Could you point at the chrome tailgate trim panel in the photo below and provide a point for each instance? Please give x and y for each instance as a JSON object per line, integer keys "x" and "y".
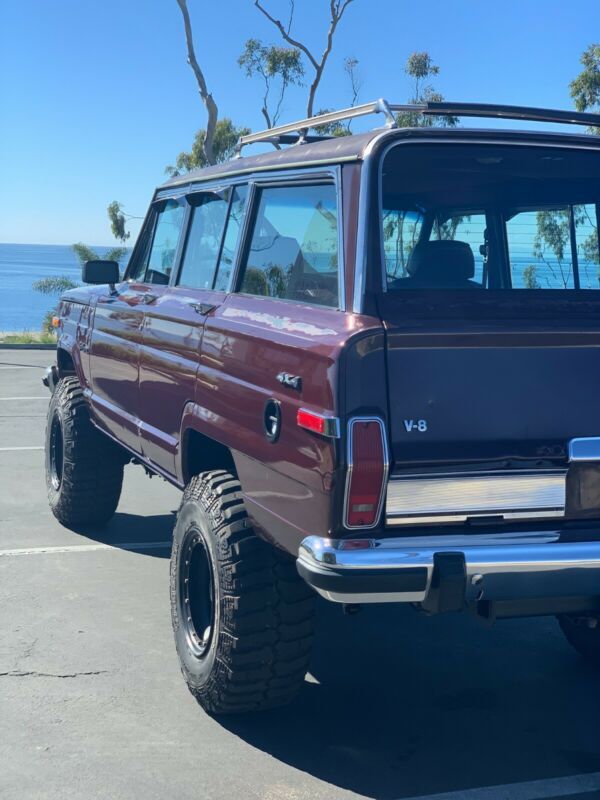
{"x": 427, "y": 499}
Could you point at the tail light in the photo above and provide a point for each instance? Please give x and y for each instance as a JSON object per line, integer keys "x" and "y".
{"x": 367, "y": 472}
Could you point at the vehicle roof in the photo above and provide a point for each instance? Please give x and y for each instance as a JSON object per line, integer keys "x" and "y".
{"x": 340, "y": 149}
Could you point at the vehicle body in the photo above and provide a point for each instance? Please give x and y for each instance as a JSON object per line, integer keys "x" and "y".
{"x": 391, "y": 342}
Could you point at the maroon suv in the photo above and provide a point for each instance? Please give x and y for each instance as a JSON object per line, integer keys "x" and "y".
{"x": 372, "y": 364}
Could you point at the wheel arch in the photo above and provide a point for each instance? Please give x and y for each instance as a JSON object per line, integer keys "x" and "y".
{"x": 65, "y": 362}
{"x": 201, "y": 453}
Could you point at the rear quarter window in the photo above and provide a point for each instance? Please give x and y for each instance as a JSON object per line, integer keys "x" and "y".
{"x": 293, "y": 249}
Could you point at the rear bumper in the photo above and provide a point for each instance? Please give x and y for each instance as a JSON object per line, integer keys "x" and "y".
{"x": 447, "y": 573}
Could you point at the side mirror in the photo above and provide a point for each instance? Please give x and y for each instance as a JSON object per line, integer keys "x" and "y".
{"x": 100, "y": 272}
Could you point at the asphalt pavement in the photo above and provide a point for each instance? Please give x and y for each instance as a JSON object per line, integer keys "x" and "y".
{"x": 92, "y": 703}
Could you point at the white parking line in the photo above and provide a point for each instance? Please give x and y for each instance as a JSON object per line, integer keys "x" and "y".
{"x": 8, "y": 449}
{"x": 529, "y": 790}
{"x": 85, "y": 548}
{"x": 45, "y": 397}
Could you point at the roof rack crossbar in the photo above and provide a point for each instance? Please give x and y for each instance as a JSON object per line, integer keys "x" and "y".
{"x": 381, "y": 106}
{"x": 377, "y": 107}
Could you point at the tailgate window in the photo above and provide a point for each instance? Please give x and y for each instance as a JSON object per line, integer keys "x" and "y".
{"x": 490, "y": 217}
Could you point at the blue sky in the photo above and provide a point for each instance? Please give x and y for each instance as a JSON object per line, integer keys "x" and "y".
{"x": 96, "y": 97}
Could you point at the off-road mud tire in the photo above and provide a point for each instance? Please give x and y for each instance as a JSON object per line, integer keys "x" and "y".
{"x": 254, "y": 653}
{"x": 84, "y": 488}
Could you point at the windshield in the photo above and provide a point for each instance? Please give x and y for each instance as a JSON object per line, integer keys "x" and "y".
{"x": 483, "y": 217}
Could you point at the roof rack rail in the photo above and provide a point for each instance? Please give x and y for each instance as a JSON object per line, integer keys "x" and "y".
{"x": 493, "y": 110}
{"x": 278, "y": 134}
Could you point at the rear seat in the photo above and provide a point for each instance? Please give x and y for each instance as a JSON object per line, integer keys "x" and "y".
{"x": 439, "y": 264}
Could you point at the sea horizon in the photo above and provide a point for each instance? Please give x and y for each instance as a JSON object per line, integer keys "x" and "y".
{"x": 21, "y": 264}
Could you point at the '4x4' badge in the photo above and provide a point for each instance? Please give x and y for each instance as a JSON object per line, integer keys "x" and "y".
{"x": 415, "y": 425}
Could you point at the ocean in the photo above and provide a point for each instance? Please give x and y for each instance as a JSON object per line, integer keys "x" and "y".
{"x": 22, "y": 308}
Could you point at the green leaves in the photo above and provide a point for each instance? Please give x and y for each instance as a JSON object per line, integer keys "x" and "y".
{"x": 272, "y": 61}
{"x": 117, "y": 221}
{"x": 225, "y": 140}
{"x": 585, "y": 89}
{"x": 54, "y": 285}
{"x": 84, "y": 253}
{"x": 276, "y": 65}
{"x": 420, "y": 66}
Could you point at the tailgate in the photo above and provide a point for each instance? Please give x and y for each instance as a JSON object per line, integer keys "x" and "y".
{"x": 480, "y": 420}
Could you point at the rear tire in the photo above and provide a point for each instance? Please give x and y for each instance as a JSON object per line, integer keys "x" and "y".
{"x": 84, "y": 469}
{"x": 242, "y": 616}
{"x": 584, "y": 638}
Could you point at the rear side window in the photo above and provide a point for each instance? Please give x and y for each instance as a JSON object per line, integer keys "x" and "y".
{"x": 204, "y": 241}
{"x": 164, "y": 243}
{"x": 401, "y": 231}
{"x": 554, "y": 248}
{"x": 293, "y": 252}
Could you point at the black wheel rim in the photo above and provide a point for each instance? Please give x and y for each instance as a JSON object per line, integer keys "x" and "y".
{"x": 197, "y": 594}
{"x": 56, "y": 453}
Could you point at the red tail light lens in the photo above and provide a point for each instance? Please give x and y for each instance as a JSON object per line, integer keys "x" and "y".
{"x": 317, "y": 423}
{"x": 367, "y": 472}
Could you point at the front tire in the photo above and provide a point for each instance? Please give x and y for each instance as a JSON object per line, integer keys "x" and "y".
{"x": 242, "y": 616}
{"x": 583, "y": 633}
{"x": 84, "y": 469}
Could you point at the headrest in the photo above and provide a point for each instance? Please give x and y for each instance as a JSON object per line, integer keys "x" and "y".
{"x": 442, "y": 261}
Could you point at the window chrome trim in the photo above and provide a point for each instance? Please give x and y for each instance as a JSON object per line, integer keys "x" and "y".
{"x": 350, "y": 465}
{"x": 584, "y": 449}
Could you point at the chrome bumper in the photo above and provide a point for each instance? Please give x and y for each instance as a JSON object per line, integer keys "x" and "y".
{"x": 51, "y": 378}
{"x": 450, "y": 572}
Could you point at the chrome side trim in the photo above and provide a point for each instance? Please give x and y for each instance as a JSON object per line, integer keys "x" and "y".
{"x": 361, "y": 261}
{"x": 350, "y": 464}
{"x": 585, "y": 449}
{"x": 426, "y": 499}
{"x": 498, "y": 567}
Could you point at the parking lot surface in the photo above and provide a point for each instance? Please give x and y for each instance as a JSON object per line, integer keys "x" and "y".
{"x": 92, "y": 703}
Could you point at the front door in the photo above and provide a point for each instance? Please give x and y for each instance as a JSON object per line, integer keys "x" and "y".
{"x": 117, "y": 331}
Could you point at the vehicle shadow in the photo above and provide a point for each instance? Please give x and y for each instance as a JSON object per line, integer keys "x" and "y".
{"x": 401, "y": 705}
{"x": 146, "y": 535}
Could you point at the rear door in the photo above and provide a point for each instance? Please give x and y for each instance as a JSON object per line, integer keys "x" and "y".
{"x": 175, "y": 319}
{"x": 272, "y": 348}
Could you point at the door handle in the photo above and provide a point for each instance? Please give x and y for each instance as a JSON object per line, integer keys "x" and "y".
{"x": 203, "y": 308}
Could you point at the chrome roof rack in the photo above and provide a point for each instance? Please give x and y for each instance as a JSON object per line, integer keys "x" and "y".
{"x": 279, "y": 133}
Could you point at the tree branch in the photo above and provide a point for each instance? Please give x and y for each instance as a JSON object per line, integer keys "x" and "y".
{"x": 205, "y": 95}
{"x": 337, "y": 9}
{"x": 278, "y": 24}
